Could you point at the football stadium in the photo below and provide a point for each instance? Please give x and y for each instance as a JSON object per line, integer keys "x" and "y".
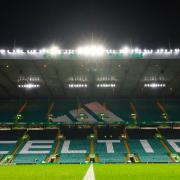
{"x": 89, "y": 113}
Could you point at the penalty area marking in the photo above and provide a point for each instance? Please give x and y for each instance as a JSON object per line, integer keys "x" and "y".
{"x": 89, "y": 174}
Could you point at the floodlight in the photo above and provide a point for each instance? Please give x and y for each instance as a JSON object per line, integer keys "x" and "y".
{"x": 54, "y": 50}
{"x": 155, "y": 85}
{"x": 125, "y": 50}
{"x": 91, "y": 50}
{"x": 18, "y": 51}
{"x": 29, "y": 85}
{"x": 2, "y": 51}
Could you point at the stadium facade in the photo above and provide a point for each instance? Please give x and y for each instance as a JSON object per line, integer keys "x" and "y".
{"x": 89, "y": 105}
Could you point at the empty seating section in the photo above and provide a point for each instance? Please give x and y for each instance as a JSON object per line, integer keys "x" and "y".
{"x": 141, "y": 133}
{"x": 148, "y": 111}
{"x": 149, "y": 149}
{"x": 72, "y": 158}
{"x": 75, "y": 132}
{"x": 171, "y": 134}
{"x": 48, "y": 134}
{"x": 29, "y": 159}
{"x": 173, "y": 109}
{"x": 108, "y": 154}
{"x": 40, "y": 138}
{"x": 109, "y": 132}
{"x": 9, "y": 135}
{"x": 62, "y": 108}
{"x": 8, "y": 141}
{"x": 1, "y": 156}
{"x": 35, "y": 112}
{"x": 8, "y": 111}
{"x": 121, "y": 108}
{"x": 75, "y": 147}
{"x": 157, "y": 154}
{"x": 7, "y": 147}
{"x": 73, "y": 151}
{"x": 68, "y": 111}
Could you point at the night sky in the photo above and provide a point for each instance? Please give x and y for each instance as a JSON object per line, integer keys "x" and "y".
{"x": 35, "y": 24}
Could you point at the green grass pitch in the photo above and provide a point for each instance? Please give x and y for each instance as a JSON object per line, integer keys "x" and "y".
{"x": 102, "y": 172}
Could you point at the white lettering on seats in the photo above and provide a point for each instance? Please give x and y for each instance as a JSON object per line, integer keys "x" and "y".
{"x": 147, "y": 147}
{"x": 173, "y": 143}
{"x": 27, "y": 149}
{"x": 65, "y": 149}
{"x": 109, "y": 144}
{"x": 4, "y": 143}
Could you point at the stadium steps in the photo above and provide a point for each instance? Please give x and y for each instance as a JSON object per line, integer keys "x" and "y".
{"x": 97, "y": 158}
{"x": 47, "y": 158}
{"x": 20, "y": 144}
{"x": 9, "y": 158}
{"x": 127, "y": 146}
{"x": 55, "y": 151}
{"x": 125, "y": 141}
{"x": 163, "y": 110}
{"x": 133, "y": 107}
{"x": 95, "y": 132}
{"x": 91, "y": 141}
{"x": 50, "y": 111}
{"x": 2, "y": 158}
{"x": 58, "y": 143}
{"x": 22, "y": 108}
{"x": 87, "y": 158}
{"x": 166, "y": 147}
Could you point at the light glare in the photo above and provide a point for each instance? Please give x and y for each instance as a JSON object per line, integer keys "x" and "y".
{"x": 92, "y": 50}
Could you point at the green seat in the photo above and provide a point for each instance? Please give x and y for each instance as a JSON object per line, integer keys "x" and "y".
{"x": 74, "y": 157}
{"x": 148, "y": 112}
{"x": 116, "y": 157}
{"x": 159, "y": 155}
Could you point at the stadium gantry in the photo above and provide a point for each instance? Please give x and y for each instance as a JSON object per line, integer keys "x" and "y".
{"x": 89, "y": 105}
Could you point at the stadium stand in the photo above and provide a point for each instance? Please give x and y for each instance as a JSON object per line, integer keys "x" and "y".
{"x": 110, "y": 151}
{"x": 145, "y": 144}
{"x": 44, "y": 140}
{"x": 121, "y": 108}
{"x": 35, "y": 112}
{"x": 8, "y": 143}
{"x": 148, "y": 112}
{"x": 76, "y": 145}
{"x": 69, "y": 109}
{"x": 8, "y": 111}
{"x": 109, "y": 132}
{"x": 74, "y": 151}
{"x": 172, "y": 107}
{"x": 103, "y": 112}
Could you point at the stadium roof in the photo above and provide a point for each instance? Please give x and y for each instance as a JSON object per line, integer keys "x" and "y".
{"x": 58, "y": 74}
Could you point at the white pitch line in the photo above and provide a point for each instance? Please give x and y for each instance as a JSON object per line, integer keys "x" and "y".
{"x": 89, "y": 174}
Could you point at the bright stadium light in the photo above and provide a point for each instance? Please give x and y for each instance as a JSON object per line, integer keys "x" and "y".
{"x": 125, "y": 50}
{"x": 77, "y": 85}
{"x": 43, "y": 51}
{"x": 154, "y": 85}
{"x": 105, "y": 85}
{"x": 29, "y": 86}
{"x": 54, "y": 50}
{"x": 19, "y": 51}
{"x": 91, "y": 50}
{"x": 2, "y": 51}
{"x": 32, "y": 51}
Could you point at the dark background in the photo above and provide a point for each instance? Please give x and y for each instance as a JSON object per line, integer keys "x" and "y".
{"x": 68, "y": 23}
